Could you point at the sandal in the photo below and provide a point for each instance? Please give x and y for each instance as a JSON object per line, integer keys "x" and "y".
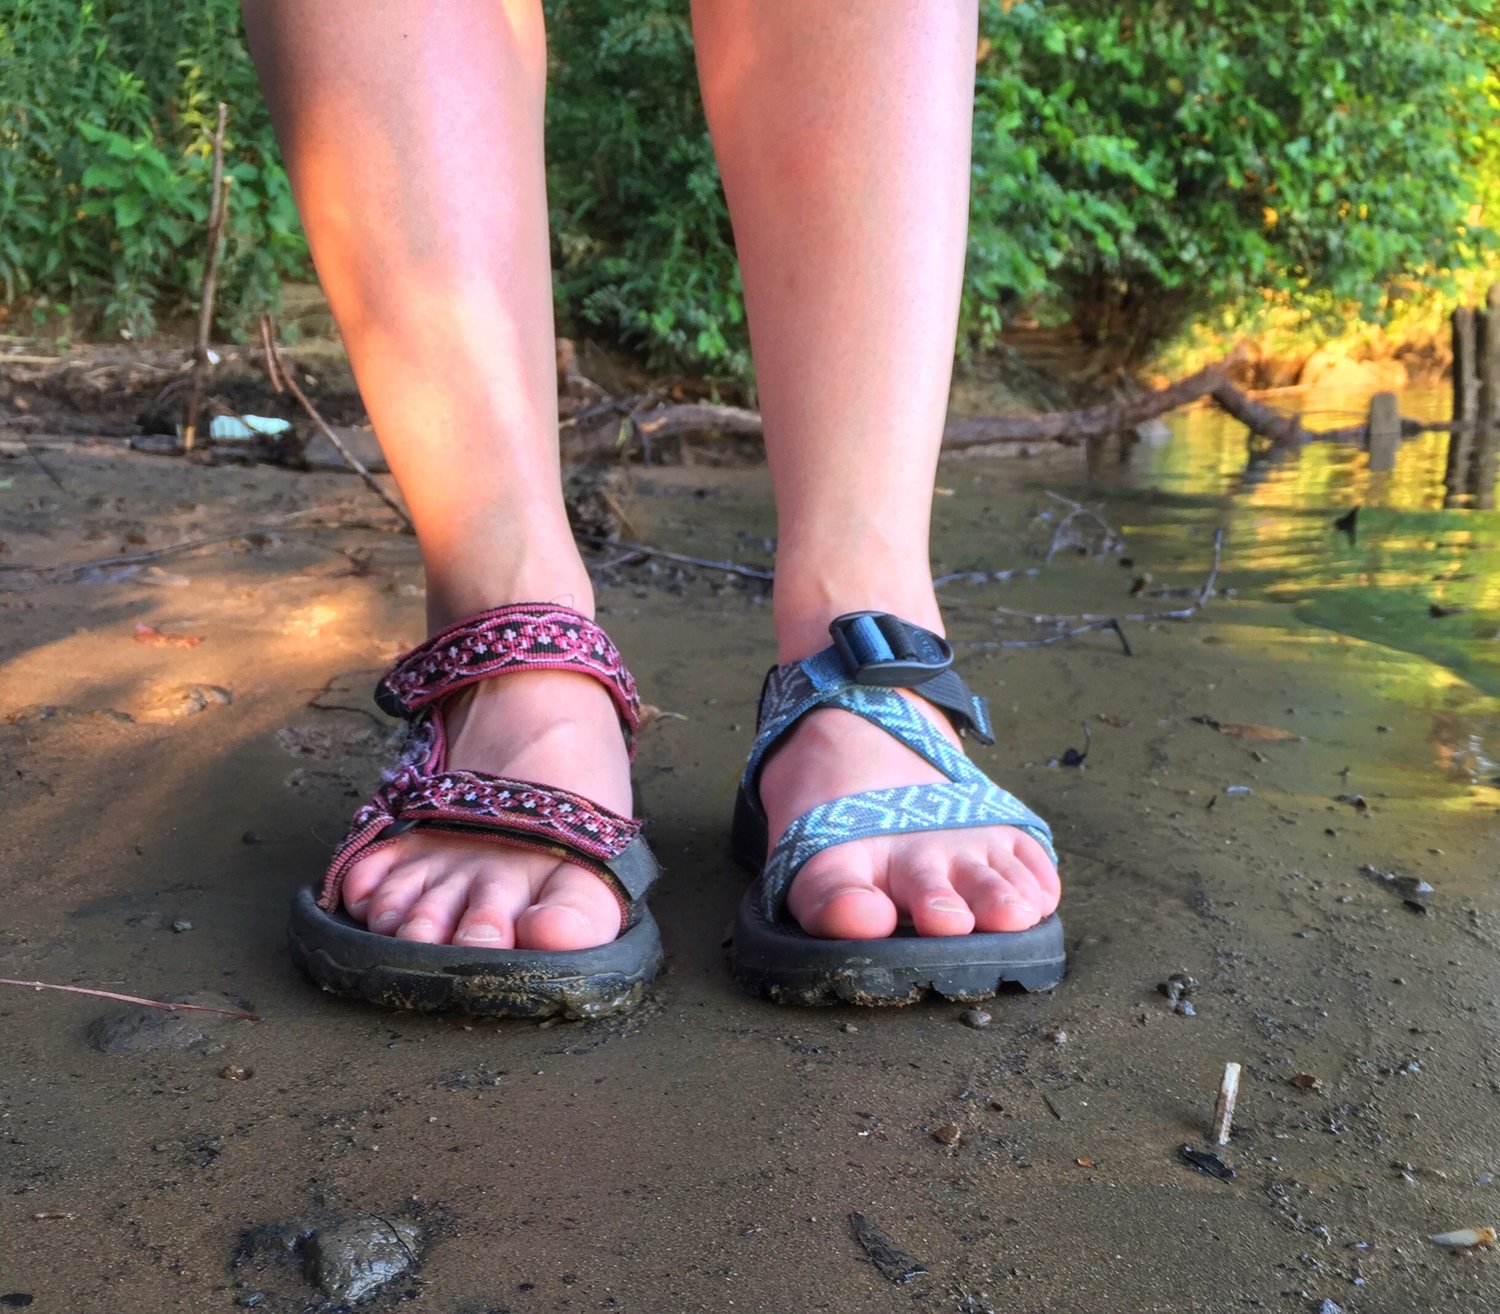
{"x": 420, "y": 791}
{"x": 874, "y": 653}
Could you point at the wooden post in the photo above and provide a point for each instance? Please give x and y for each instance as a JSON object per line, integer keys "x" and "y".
{"x": 1488, "y": 352}
{"x": 1383, "y": 433}
{"x": 1484, "y": 468}
{"x": 1465, "y": 373}
{"x": 1456, "y": 476}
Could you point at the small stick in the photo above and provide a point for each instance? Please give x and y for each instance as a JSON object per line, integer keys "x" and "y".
{"x": 642, "y": 549}
{"x": 132, "y": 999}
{"x": 217, "y": 205}
{"x": 62, "y": 573}
{"x": 276, "y": 370}
{"x": 1229, "y": 1090}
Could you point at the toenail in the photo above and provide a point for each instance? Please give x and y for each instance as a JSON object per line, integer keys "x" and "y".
{"x": 418, "y": 927}
{"x": 944, "y": 904}
{"x": 386, "y": 921}
{"x": 480, "y": 934}
{"x": 357, "y": 909}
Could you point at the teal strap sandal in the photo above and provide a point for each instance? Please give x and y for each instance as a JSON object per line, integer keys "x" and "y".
{"x": 872, "y": 655}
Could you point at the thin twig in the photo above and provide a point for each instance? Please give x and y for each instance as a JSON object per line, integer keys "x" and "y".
{"x": 62, "y": 573}
{"x": 40, "y": 464}
{"x": 1084, "y": 622}
{"x": 268, "y": 336}
{"x": 1100, "y": 623}
{"x": 133, "y": 999}
{"x": 642, "y": 549}
{"x": 270, "y": 356}
{"x": 1076, "y": 509}
{"x": 217, "y": 207}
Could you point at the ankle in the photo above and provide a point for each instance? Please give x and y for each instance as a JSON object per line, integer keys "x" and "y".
{"x": 474, "y": 576}
{"x": 802, "y": 610}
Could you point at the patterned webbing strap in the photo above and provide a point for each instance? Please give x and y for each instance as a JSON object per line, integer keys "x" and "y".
{"x": 523, "y": 636}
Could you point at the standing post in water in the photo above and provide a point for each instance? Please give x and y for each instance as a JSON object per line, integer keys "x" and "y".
{"x": 1383, "y": 432}
{"x": 1465, "y": 375}
{"x": 1488, "y": 352}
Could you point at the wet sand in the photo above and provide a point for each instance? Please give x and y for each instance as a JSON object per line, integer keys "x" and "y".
{"x": 705, "y": 1153}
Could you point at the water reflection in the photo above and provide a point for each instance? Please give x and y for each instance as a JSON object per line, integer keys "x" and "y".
{"x": 1415, "y": 568}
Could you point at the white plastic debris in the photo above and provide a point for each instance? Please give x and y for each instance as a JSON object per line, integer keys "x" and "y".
{"x": 1465, "y": 1236}
{"x": 246, "y": 428}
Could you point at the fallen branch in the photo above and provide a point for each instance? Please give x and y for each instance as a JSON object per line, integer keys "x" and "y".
{"x": 279, "y": 375}
{"x": 1092, "y": 422}
{"x": 133, "y": 999}
{"x": 696, "y": 417}
{"x": 1282, "y": 430}
{"x": 217, "y": 206}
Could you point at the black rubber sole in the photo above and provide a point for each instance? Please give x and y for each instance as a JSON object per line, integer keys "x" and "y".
{"x": 345, "y": 958}
{"x": 781, "y": 962}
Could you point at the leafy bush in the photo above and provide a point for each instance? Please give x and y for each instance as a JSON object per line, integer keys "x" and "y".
{"x": 1143, "y": 162}
{"x": 644, "y": 254}
{"x": 1137, "y": 163}
{"x": 107, "y": 115}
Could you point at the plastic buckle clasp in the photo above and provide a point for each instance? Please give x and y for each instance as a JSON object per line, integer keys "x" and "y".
{"x": 878, "y": 648}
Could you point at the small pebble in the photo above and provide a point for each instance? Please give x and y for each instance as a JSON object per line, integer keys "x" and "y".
{"x": 1185, "y": 1007}
{"x": 235, "y": 1073}
{"x": 947, "y": 1134}
{"x": 1057, "y": 1036}
{"x": 974, "y": 1017}
{"x": 182, "y": 924}
{"x": 848, "y": 1027}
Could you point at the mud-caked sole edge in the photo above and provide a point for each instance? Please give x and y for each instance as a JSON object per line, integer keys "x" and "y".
{"x": 343, "y": 957}
{"x": 783, "y": 963}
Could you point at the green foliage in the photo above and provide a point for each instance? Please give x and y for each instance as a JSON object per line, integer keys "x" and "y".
{"x": 107, "y": 114}
{"x": 1137, "y": 163}
{"x": 644, "y": 255}
{"x": 1142, "y": 162}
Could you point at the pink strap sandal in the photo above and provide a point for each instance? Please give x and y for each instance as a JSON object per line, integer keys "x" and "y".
{"x": 420, "y": 791}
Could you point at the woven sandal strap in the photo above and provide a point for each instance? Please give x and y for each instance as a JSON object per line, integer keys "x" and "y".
{"x": 951, "y": 805}
{"x": 499, "y": 803}
{"x": 526, "y": 814}
{"x": 521, "y": 637}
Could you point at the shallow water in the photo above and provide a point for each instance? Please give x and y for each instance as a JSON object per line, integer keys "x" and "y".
{"x": 1417, "y": 572}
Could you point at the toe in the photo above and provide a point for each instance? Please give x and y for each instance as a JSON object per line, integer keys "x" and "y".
{"x": 1034, "y": 858}
{"x": 385, "y": 908}
{"x": 431, "y": 919}
{"x": 489, "y": 920}
{"x": 837, "y": 899}
{"x": 997, "y": 903}
{"x": 363, "y": 879}
{"x": 925, "y": 890}
{"x": 574, "y": 909}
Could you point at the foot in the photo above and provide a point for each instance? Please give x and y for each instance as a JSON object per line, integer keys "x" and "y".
{"x": 547, "y": 727}
{"x": 938, "y": 882}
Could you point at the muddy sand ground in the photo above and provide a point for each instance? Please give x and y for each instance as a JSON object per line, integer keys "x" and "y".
{"x": 166, "y": 789}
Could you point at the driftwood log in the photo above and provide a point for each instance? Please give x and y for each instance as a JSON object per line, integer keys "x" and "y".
{"x": 653, "y": 420}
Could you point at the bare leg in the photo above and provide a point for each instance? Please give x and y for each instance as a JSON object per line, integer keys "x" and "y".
{"x": 842, "y": 133}
{"x": 413, "y": 136}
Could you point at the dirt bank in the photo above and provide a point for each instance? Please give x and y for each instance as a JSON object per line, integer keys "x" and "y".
{"x": 166, "y": 788}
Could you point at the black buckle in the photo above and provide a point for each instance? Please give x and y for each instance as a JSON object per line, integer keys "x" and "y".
{"x": 882, "y": 649}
